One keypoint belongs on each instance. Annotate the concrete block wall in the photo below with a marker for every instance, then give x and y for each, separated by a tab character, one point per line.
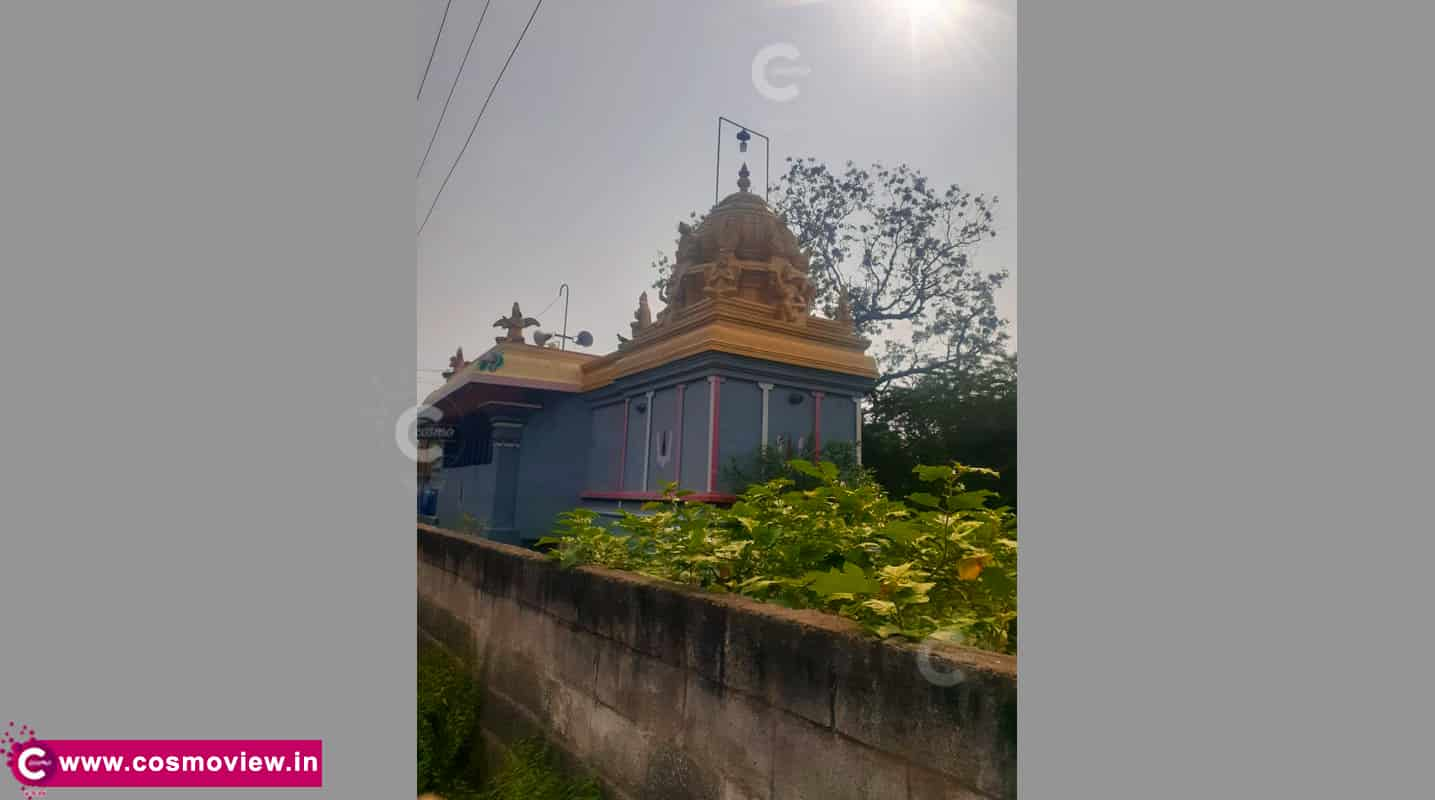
662	691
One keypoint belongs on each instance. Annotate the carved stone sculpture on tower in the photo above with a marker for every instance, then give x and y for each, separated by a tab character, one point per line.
722	278
456	362
514	323
643	317
741	252
795	294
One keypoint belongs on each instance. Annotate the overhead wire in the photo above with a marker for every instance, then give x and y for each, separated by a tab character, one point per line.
436	37
449	99
479	118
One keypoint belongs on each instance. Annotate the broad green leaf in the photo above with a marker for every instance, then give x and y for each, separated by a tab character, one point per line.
898	572
925	499
885	608
764	537
965	529
851	580
733	550
968	500
932	474
903	532
806	468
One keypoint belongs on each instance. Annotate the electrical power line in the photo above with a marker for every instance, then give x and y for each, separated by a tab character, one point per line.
479	118
436	37
550	305
456	78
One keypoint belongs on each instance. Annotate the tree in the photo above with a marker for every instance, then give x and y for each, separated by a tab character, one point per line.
970	418
899	249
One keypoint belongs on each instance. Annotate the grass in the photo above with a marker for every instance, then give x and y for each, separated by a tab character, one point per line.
531	772
448	708
449	749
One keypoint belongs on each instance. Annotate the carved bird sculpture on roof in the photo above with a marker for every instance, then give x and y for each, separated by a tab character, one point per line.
455	364
514	323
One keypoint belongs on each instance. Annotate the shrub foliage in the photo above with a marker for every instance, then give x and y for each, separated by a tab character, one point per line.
941	564
532	772
448	704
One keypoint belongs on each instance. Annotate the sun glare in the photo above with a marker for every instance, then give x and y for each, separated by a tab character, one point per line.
952	35
928	22
923	11
938	29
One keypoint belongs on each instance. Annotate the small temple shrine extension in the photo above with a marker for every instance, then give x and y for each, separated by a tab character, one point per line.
734	362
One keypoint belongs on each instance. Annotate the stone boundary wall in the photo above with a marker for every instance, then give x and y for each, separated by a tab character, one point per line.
666	692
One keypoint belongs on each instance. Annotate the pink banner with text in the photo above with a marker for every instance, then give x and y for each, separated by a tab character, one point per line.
167	763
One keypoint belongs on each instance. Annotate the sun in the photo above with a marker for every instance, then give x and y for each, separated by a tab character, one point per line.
922	11
929	21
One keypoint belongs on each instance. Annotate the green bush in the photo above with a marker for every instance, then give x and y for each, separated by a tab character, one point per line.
531	773
448	704
768	463
942	564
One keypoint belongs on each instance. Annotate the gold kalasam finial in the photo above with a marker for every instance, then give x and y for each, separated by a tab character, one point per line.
515	323
742	181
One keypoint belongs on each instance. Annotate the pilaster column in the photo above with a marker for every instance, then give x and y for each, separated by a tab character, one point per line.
507	438
647	438
678	446
766	397
857	412
623	452
713	395
817	425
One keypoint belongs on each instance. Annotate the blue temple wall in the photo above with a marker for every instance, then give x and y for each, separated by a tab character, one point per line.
662	464
739	417
551	467
739	425
695	435
465	490
789	420
633	461
605	442
839	419
574	443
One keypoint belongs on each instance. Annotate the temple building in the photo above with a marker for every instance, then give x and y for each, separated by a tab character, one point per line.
735	361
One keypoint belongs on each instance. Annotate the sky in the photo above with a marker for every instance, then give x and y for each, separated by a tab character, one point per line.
602	134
